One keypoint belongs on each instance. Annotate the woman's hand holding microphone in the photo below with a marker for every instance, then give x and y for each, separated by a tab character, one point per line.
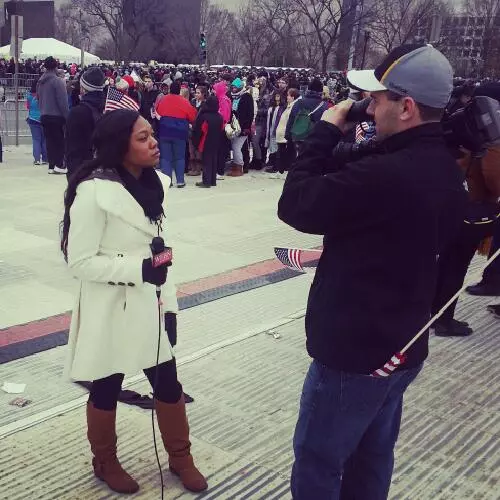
154	275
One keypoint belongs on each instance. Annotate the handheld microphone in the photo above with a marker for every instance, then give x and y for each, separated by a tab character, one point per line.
160	255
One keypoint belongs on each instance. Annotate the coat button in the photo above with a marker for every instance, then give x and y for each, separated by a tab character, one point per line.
121	284
120	255
111	283
131	284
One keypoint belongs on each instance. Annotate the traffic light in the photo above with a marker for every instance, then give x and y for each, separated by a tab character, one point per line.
203	48
203	41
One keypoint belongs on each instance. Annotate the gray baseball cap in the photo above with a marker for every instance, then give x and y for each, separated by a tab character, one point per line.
416	71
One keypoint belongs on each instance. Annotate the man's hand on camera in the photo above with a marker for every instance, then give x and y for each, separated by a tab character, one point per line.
338	114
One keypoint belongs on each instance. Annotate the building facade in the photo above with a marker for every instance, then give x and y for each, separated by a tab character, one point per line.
471	43
169	30
38	19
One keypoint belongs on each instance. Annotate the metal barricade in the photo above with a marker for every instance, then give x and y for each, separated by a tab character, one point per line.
7	83
8	106
8	119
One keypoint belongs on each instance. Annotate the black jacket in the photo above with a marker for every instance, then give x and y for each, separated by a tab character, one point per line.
385	219
245	113
148	99
207	129
80	127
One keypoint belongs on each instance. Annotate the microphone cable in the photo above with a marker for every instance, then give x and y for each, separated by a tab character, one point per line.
155	384
158	295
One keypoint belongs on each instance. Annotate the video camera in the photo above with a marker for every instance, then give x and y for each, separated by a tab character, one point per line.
472	127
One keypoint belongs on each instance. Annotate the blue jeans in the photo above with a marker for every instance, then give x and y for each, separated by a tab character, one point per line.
173	158
345	436
39	148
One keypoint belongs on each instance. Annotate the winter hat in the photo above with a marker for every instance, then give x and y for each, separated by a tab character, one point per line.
92	80
130	81
121	84
178	76
316	86
238	83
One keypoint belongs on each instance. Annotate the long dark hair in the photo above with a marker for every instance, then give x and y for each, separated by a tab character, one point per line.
111	142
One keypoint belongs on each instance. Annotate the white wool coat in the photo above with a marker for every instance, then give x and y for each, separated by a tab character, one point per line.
114	325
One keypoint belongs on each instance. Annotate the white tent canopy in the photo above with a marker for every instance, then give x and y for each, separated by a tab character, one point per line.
41	48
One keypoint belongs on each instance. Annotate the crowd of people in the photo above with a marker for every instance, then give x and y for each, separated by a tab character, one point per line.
211	123
399	228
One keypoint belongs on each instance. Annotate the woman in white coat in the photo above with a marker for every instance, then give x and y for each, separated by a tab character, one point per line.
114	207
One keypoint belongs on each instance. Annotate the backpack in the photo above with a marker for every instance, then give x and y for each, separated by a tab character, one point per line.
303	123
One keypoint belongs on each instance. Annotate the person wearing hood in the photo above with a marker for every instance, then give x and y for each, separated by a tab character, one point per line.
220	90
83	118
207	140
311	102
54	109
242	108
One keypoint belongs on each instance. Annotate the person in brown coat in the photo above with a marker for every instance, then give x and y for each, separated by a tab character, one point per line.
482	175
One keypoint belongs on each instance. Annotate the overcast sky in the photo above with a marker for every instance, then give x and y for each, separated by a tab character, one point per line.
230	4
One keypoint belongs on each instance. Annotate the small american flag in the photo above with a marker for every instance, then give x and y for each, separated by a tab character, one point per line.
290	257
116	100
397	360
361	129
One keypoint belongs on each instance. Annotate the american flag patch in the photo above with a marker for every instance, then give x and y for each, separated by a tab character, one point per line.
290	257
116	100
388	369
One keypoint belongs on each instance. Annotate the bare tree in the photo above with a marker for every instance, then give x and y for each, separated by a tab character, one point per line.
325	18
108	15
253	33
285	23
74	27
217	23
396	21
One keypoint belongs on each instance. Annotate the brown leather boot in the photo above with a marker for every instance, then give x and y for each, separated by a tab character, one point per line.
174	428
102	437
236	171
194	168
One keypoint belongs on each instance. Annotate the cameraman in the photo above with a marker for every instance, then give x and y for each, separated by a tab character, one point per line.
481	166
385	219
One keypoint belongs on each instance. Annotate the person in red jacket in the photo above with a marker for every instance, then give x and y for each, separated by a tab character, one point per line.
176	113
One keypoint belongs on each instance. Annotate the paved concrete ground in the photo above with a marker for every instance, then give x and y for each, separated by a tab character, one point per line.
211	231
246	383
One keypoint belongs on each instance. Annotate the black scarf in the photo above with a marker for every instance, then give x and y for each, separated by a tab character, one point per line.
147	191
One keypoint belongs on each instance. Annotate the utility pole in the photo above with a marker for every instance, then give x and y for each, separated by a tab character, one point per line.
82	49
16	24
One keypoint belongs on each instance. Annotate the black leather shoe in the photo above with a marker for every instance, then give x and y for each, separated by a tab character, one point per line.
484	290
494	309
452	328
202	185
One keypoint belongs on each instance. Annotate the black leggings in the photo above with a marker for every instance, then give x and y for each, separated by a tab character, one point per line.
105	391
